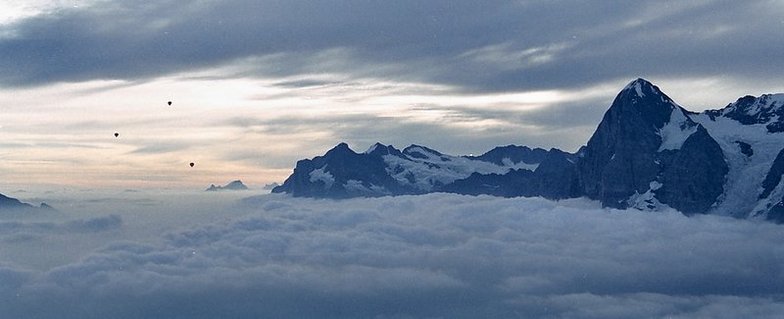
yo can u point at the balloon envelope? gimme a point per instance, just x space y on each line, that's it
192 164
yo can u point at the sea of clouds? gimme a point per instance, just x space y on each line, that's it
430 256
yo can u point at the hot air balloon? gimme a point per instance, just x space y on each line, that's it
116 134
169 103
192 164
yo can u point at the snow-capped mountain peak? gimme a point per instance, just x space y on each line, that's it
636 86
647 152
641 88
767 109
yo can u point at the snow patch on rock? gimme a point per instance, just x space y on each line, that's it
320 175
676 131
426 169
647 201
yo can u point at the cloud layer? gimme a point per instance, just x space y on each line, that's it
492 45
418 257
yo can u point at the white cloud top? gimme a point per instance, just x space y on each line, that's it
436 255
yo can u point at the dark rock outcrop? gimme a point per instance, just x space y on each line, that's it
773 177
556 177
776 212
695 177
745 148
515 183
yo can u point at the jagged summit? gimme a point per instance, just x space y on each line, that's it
342 147
379 149
643 88
767 109
642 98
761 109
637 86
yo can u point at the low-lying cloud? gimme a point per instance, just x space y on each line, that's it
428 256
96 224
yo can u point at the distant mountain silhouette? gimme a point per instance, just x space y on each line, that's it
8 204
231 186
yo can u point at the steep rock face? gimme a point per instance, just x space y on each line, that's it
773 178
648 144
694 179
620 158
556 177
772 195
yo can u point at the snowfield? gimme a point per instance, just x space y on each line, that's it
429 256
739 199
428 169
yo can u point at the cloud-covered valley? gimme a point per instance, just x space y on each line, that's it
428 256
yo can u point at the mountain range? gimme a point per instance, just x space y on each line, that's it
647 153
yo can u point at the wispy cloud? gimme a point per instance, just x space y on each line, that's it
459 76
496 45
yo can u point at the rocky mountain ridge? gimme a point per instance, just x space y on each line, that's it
647 153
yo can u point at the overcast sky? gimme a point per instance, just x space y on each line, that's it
257 85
